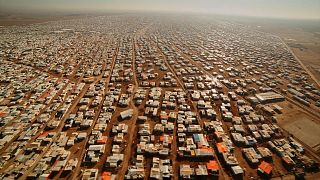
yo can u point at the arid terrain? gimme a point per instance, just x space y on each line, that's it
140 96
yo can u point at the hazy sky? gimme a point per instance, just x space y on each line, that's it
302 9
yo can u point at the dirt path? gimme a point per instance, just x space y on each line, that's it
132 126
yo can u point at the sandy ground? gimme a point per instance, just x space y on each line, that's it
307 131
301 125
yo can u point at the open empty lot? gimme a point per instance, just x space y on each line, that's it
301 125
306 130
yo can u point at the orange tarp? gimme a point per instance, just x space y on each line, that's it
44 134
265 167
2 114
46 94
208 149
103 139
212 165
221 147
164 117
170 139
106 176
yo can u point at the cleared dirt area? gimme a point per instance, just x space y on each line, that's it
306 130
301 125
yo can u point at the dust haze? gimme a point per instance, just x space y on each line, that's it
293 9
